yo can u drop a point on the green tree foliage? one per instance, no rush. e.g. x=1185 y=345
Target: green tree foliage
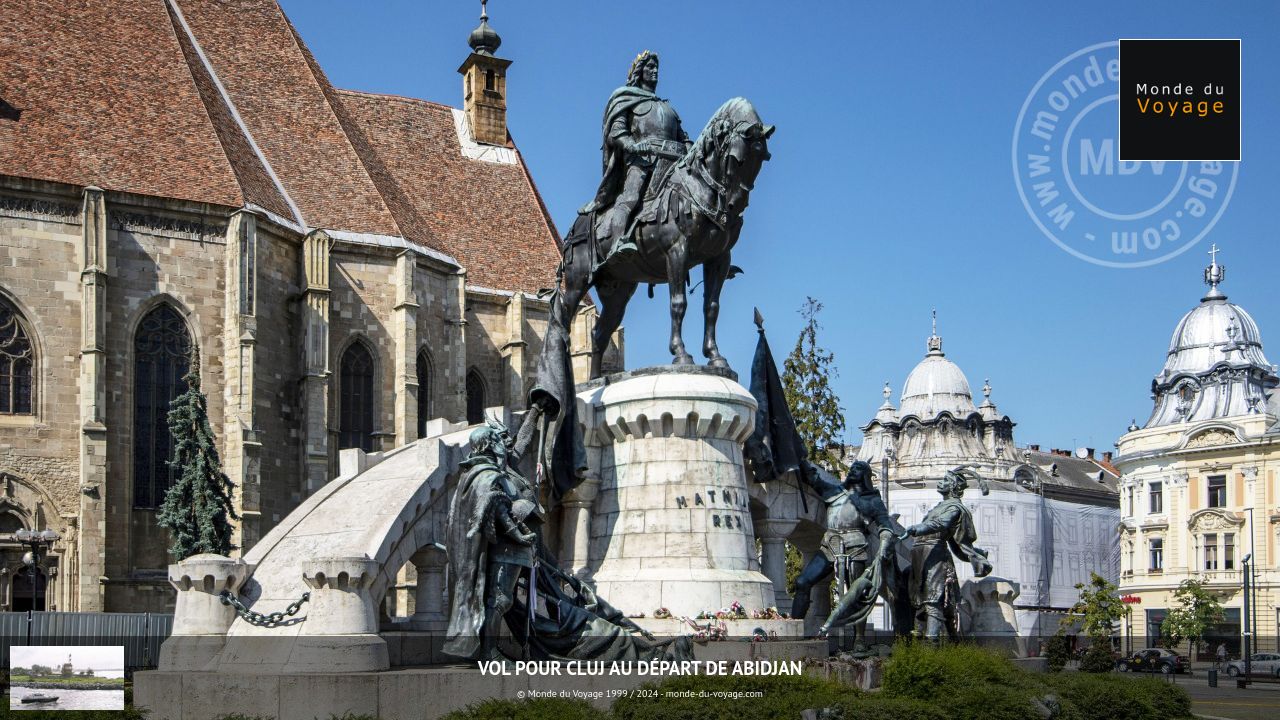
x=806 y=377
x=1099 y=608
x=197 y=508
x=1195 y=611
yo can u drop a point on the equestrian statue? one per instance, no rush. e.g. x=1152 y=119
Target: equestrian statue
x=664 y=206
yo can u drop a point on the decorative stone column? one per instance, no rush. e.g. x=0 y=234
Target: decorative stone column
x=340 y=633
x=200 y=619
x=672 y=527
x=773 y=558
x=575 y=539
x=429 y=613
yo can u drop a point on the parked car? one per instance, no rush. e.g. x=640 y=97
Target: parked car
x=1263 y=664
x=1158 y=660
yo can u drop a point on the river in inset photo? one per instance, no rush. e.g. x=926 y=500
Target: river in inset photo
x=65 y=699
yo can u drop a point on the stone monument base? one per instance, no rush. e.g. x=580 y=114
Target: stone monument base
x=421 y=693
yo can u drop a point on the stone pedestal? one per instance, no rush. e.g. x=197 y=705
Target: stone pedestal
x=200 y=619
x=341 y=630
x=671 y=526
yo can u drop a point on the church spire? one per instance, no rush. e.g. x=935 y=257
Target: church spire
x=935 y=342
x=484 y=84
x=1214 y=275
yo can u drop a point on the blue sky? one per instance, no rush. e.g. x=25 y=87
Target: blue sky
x=890 y=191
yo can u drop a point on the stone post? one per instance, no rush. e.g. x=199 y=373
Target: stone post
x=673 y=492
x=429 y=612
x=575 y=541
x=992 y=615
x=200 y=619
x=405 y=328
x=773 y=558
x=340 y=633
x=93 y=400
x=315 y=359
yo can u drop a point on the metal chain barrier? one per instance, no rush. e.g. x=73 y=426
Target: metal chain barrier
x=259 y=619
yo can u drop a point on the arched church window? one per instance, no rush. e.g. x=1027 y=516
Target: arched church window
x=17 y=364
x=424 y=391
x=10 y=523
x=161 y=354
x=355 y=399
x=475 y=397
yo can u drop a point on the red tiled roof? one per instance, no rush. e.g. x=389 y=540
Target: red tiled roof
x=220 y=101
x=487 y=215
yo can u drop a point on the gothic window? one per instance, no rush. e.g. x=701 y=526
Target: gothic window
x=1156 y=549
x=355 y=398
x=10 y=523
x=475 y=397
x=1218 y=491
x=1155 y=496
x=17 y=364
x=161 y=352
x=424 y=392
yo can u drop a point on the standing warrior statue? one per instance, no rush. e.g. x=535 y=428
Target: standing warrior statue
x=854 y=512
x=490 y=543
x=642 y=138
x=947 y=529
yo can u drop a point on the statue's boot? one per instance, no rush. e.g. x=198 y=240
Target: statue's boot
x=615 y=226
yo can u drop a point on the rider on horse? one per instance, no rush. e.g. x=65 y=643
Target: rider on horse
x=642 y=140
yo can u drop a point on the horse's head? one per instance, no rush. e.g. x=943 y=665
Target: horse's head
x=732 y=149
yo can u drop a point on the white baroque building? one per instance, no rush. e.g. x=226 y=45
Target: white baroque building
x=1051 y=516
x=1199 y=491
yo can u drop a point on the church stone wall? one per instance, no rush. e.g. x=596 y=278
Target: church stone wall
x=361 y=305
x=147 y=268
x=278 y=379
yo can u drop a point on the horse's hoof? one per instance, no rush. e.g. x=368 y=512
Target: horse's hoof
x=718 y=362
x=685 y=359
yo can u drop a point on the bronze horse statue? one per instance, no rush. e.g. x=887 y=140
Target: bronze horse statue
x=690 y=217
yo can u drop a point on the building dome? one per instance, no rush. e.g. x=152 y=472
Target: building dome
x=1215 y=366
x=935 y=386
x=484 y=39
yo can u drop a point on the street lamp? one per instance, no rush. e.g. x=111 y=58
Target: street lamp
x=1248 y=651
x=37 y=541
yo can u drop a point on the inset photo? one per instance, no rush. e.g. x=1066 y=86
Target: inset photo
x=66 y=677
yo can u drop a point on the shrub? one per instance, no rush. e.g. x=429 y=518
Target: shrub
x=782 y=697
x=1057 y=652
x=1114 y=697
x=537 y=709
x=881 y=707
x=964 y=681
x=1098 y=658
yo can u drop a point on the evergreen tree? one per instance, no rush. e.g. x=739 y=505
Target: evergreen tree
x=806 y=377
x=197 y=508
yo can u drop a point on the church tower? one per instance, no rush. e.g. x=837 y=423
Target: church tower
x=484 y=84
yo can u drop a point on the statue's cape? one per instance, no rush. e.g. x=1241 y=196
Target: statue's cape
x=622 y=101
x=469 y=531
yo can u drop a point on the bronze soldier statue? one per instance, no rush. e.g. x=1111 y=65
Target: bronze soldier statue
x=947 y=529
x=491 y=534
x=642 y=138
x=856 y=519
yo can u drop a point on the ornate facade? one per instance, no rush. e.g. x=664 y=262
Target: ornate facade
x=178 y=177
x=1199 y=491
x=1050 y=518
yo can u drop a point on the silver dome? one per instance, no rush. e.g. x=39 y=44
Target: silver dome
x=935 y=386
x=1215 y=366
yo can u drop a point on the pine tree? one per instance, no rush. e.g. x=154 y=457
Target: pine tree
x=197 y=508
x=806 y=377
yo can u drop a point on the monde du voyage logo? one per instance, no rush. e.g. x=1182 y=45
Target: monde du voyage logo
x=1123 y=184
